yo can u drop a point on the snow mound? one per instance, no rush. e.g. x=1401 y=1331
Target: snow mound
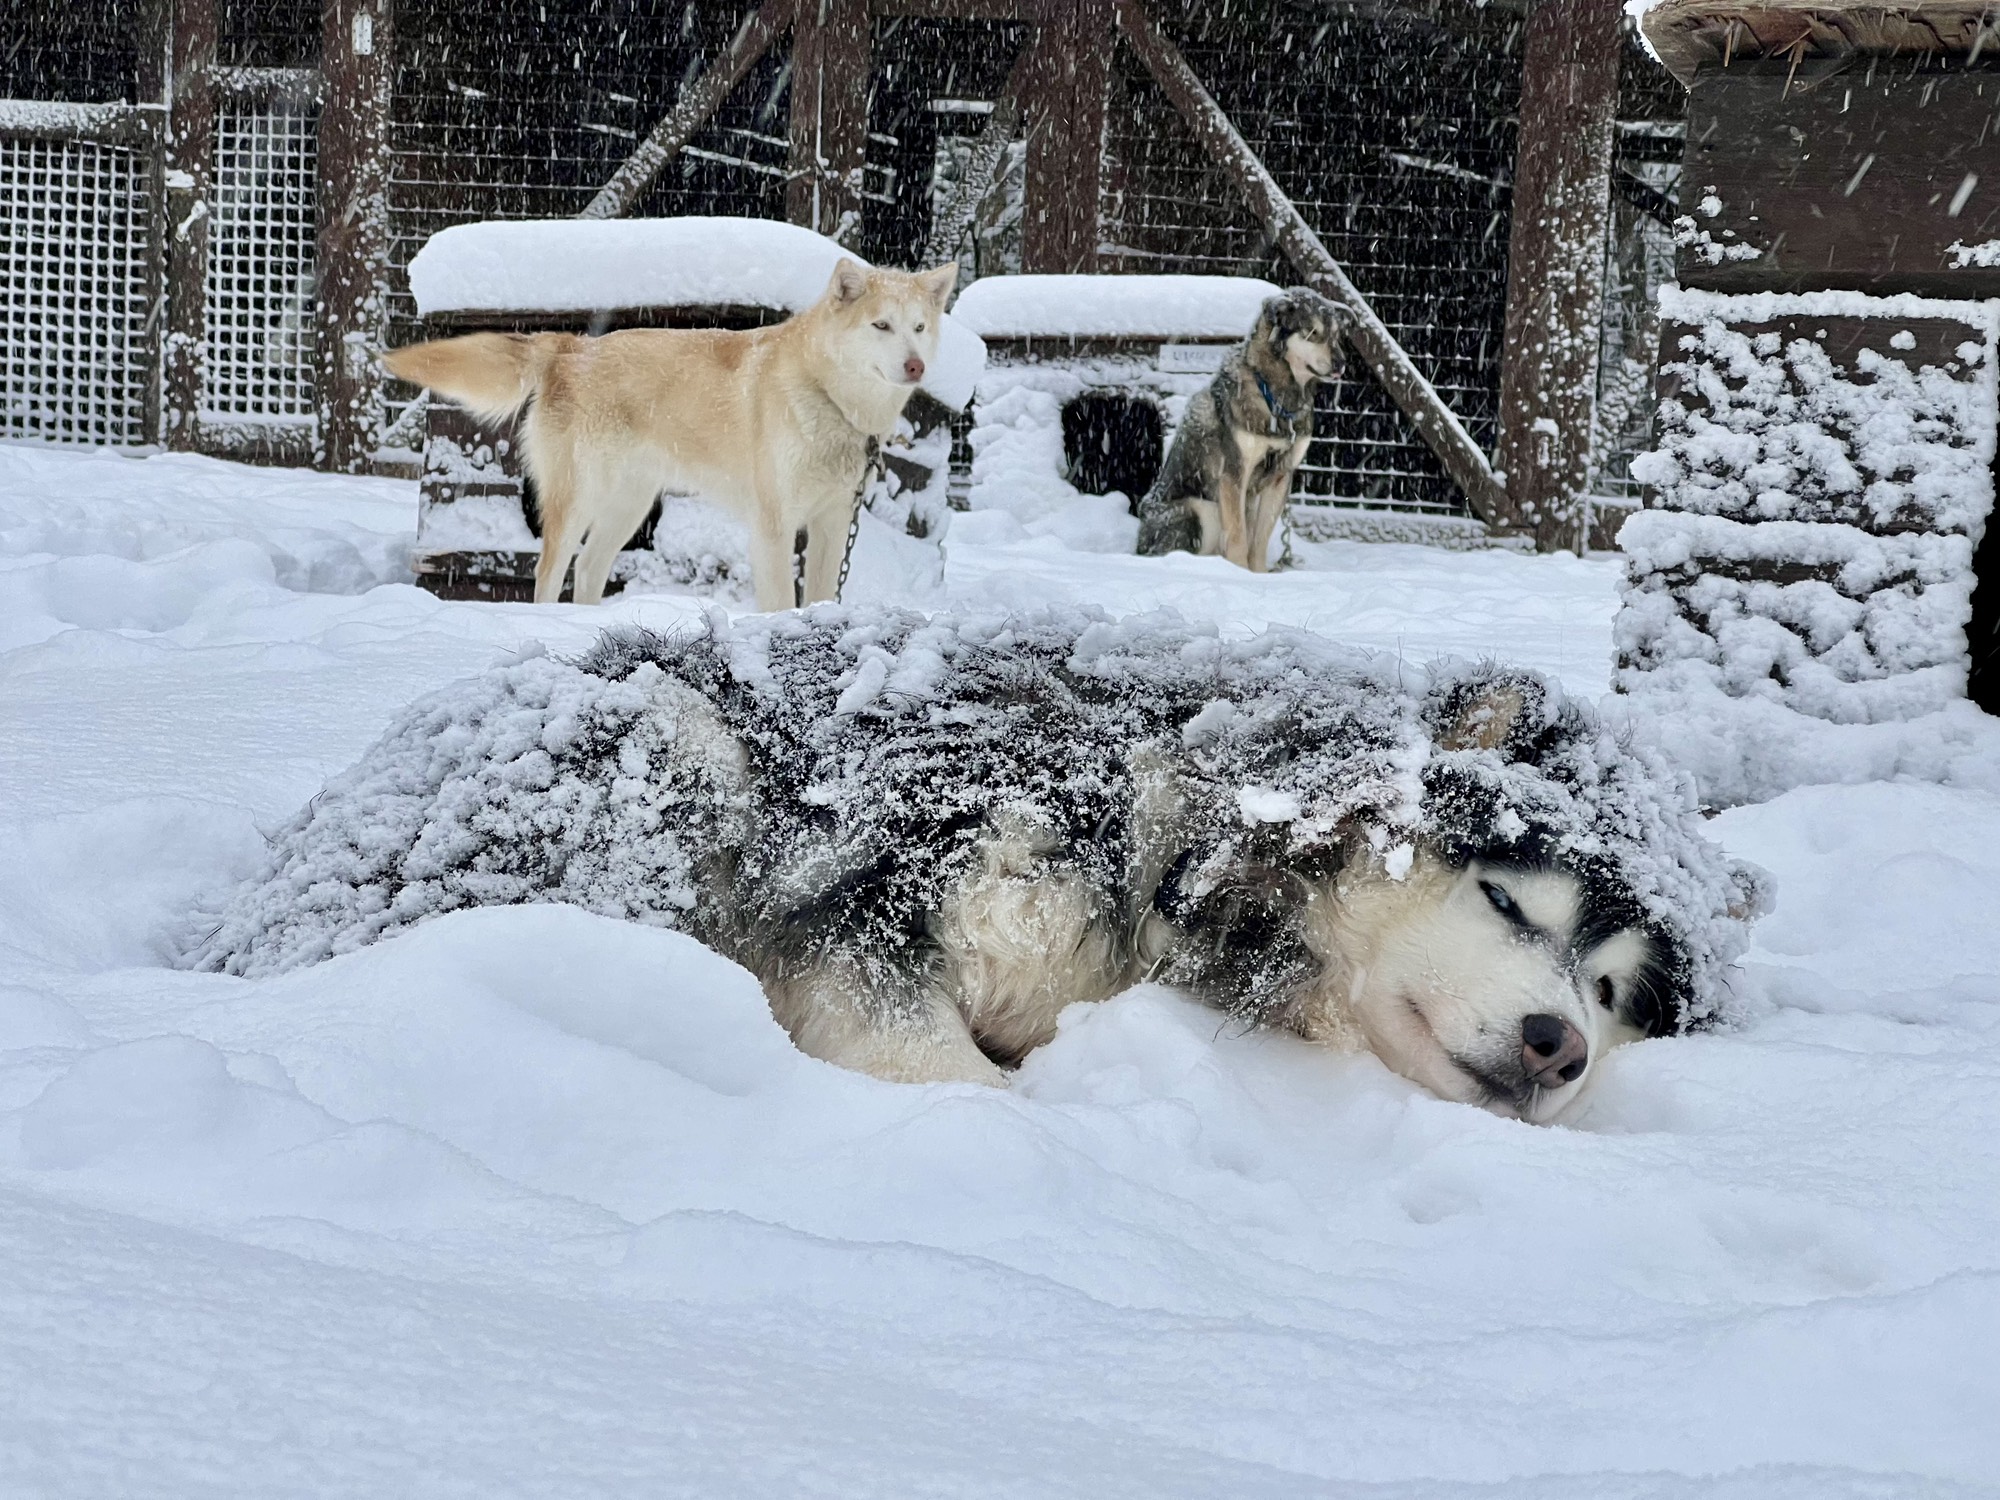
x=1163 y=307
x=580 y=265
x=785 y=758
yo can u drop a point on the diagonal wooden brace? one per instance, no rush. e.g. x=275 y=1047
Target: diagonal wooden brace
x=697 y=102
x=955 y=222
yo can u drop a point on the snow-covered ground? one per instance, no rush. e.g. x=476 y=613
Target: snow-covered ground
x=533 y=1203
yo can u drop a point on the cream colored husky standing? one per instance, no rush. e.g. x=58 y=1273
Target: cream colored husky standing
x=773 y=422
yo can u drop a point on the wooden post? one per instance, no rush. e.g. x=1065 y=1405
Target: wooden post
x=152 y=85
x=353 y=251
x=691 y=111
x=190 y=99
x=829 y=116
x=1417 y=398
x=1064 y=93
x=1555 y=269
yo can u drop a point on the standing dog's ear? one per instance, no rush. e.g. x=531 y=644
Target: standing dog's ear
x=940 y=283
x=850 y=280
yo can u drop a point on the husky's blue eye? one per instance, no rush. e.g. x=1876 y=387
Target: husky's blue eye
x=881 y=324
x=1502 y=902
x=920 y=328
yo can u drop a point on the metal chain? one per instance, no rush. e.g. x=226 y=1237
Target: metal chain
x=872 y=469
x=1285 y=558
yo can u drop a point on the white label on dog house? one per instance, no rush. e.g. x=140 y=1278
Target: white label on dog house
x=1192 y=359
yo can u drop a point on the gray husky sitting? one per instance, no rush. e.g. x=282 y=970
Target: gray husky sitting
x=926 y=837
x=1229 y=472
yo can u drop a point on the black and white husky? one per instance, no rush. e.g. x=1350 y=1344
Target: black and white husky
x=928 y=836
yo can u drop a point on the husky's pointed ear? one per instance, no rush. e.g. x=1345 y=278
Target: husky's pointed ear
x=1484 y=718
x=850 y=280
x=940 y=282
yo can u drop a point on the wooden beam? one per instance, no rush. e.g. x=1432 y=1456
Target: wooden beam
x=948 y=233
x=152 y=90
x=959 y=10
x=1418 y=399
x=829 y=116
x=1063 y=95
x=691 y=111
x=1555 y=269
x=189 y=178
x=353 y=249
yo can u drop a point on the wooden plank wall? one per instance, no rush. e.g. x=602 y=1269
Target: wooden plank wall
x=1860 y=179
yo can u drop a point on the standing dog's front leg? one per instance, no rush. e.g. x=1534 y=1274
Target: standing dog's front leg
x=771 y=553
x=772 y=543
x=1274 y=493
x=826 y=546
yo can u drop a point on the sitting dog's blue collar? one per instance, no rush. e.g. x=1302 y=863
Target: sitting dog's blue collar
x=1281 y=412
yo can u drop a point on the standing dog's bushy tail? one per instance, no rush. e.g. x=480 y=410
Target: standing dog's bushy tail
x=492 y=375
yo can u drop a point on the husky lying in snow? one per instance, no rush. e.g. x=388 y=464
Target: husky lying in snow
x=773 y=422
x=1228 y=472
x=927 y=837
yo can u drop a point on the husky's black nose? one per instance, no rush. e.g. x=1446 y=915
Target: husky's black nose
x=1552 y=1051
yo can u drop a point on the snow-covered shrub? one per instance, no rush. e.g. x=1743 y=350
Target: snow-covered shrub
x=1762 y=426
x=1824 y=619
x=1823 y=475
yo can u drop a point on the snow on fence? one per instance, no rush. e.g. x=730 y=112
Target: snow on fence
x=259 y=295
x=1823 y=475
x=77 y=279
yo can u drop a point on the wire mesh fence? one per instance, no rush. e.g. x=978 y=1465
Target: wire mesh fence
x=259 y=322
x=1394 y=135
x=1639 y=258
x=76 y=331
x=1392 y=130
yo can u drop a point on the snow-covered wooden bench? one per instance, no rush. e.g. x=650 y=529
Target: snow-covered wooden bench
x=477 y=528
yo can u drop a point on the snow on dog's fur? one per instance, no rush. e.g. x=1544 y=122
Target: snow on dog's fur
x=927 y=837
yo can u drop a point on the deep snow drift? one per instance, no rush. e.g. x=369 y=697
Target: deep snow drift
x=529 y=1201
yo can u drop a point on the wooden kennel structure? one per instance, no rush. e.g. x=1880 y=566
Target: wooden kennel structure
x=273 y=165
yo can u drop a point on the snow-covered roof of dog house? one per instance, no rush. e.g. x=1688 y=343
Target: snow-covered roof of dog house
x=1052 y=316
x=582 y=270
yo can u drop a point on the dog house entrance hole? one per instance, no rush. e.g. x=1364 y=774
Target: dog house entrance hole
x=1112 y=442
